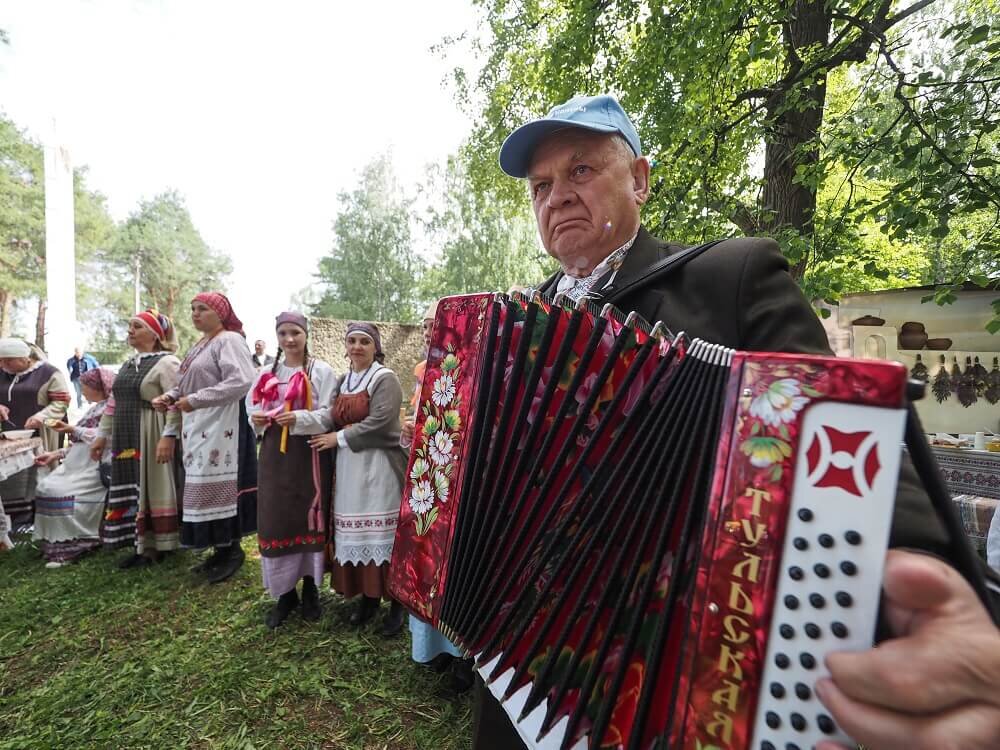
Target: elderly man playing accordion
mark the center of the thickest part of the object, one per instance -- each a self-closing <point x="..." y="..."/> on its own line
<point x="935" y="683"/>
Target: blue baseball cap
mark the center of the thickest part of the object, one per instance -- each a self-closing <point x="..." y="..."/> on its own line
<point x="600" y="114"/>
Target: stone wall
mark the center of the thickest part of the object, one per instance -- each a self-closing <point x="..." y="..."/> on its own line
<point x="403" y="344"/>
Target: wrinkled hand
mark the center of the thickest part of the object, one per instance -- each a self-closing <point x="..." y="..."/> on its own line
<point x="165" y="450"/>
<point x="286" y="419"/>
<point x="936" y="684"/>
<point x="97" y="448"/>
<point x="324" y="442"/>
<point x="47" y="459"/>
<point x="33" y="423"/>
<point x="261" y="420"/>
<point x="62" y="427"/>
<point x="183" y="404"/>
<point x="4" y="412"/>
<point x="161" y="403"/>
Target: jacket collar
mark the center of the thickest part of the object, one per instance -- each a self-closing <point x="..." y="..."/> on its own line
<point x="645" y="251"/>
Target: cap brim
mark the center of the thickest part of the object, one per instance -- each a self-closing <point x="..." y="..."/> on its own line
<point x="520" y="145"/>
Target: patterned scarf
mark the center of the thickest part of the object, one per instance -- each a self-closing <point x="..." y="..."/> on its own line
<point x="576" y="288"/>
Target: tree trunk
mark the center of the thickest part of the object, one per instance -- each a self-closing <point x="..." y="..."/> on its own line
<point x="6" y="310"/>
<point x="787" y="204"/>
<point x="40" y="325"/>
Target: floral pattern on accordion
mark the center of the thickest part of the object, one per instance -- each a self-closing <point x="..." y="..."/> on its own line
<point x="434" y="462"/>
<point x="773" y="413"/>
<point x="419" y="558"/>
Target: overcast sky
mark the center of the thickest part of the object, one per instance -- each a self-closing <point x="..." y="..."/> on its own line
<point x="259" y="113"/>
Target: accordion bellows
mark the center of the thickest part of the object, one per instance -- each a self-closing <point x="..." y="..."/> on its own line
<point x="646" y="541"/>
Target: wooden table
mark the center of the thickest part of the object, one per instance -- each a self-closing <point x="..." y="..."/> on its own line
<point x="15" y="456"/>
<point x="973" y="478"/>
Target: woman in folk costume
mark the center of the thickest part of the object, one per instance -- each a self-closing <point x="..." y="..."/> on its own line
<point x="69" y="503"/>
<point x="369" y="476"/>
<point x="289" y="402"/>
<point x="31" y="391"/>
<point x="217" y="443"/>
<point x="428" y="645"/>
<point x="142" y="499"/>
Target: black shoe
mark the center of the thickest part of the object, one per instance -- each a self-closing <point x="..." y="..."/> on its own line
<point x="461" y="676"/>
<point x="227" y="566"/>
<point x="311" y="610"/>
<point x="366" y="611"/>
<point x="440" y="663"/>
<point x="393" y="622"/>
<point x="135" y="560"/>
<point x="287" y="603"/>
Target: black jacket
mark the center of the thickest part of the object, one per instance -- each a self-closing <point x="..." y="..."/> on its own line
<point x="739" y="294"/>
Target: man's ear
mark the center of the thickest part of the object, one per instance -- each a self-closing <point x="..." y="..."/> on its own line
<point x="640" y="179"/>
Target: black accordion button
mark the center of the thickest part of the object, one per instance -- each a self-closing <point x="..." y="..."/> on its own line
<point x="839" y="629"/>
<point x="825" y="540"/>
<point x="796" y="573"/>
<point x="798" y="722"/>
<point x="791" y="746"/>
<point x="817" y="601"/>
<point x="805" y="514"/>
<point x="772" y="719"/>
<point x="800" y="544"/>
<point x="787" y="631"/>
<point x="765" y="745"/>
<point x="848" y="568"/>
<point x="812" y="630"/>
<point x="792" y="602"/>
<point x="781" y="661"/>
<point x="802" y="691"/>
<point x="808" y="661"/>
<point x="853" y="537"/>
<point x="821" y="570"/>
<point x="844" y="599"/>
<point x="825" y="724"/>
<point x="777" y="690"/>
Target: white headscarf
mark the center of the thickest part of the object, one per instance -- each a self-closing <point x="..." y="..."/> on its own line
<point x="12" y="347"/>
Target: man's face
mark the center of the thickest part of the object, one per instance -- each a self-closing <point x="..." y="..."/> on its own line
<point x="586" y="193"/>
<point x="258" y="346"/>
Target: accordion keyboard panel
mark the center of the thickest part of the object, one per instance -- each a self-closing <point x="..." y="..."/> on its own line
<point x="831" y="565"/>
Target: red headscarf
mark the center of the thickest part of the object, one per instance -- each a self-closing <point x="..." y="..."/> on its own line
<point x="223" y="308"/>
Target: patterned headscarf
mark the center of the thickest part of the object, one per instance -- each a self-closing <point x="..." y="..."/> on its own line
<point x="223" y="308"/>
<point x="100" y="379"/>
<point x="431" y="312"/>
<point x="161" y="326"/>
<point x="294" y="318"/>
<point x="371" y="331"/>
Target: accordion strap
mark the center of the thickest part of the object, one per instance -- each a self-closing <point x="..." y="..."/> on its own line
<point x="658" y="270"/>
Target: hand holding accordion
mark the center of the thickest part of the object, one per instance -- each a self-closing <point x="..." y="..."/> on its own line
<point x="647" y="542"/>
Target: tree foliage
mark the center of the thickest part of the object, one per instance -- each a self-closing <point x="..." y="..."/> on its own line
<point x="175" y="263"/>
<point x="371" y="272"/>
<point x="478" y="245"/>
<point x="827" y="124"/>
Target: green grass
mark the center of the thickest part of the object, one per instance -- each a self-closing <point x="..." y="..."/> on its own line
<point x="93" y="657"/>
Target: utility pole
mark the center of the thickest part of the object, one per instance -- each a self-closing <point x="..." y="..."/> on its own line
<point x="138" y="269"/>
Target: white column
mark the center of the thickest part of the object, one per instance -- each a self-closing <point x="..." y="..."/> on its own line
<point x="62" y="330"/>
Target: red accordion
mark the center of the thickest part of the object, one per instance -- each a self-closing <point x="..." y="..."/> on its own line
<point x="646" y="541"/>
